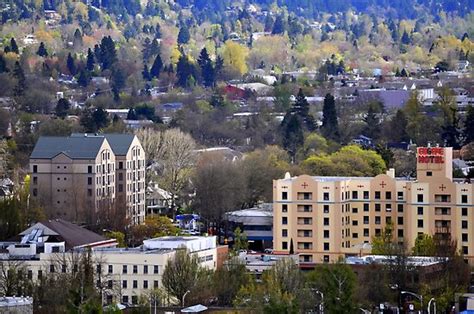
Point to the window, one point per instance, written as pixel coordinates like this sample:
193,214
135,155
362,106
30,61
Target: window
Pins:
366,207
400,220
388,207
399,195
305,208
355,235
388,195
135,284
40,274
35,168
110,284
120,164
307,258
464,224
326,196
284,195
355,195
51,268
120,187
464,237
89,180
366,232
377,232
155,284
464,199
35,192
145,284
125,299
326,258
120,176
388,220
400,208
284,232
366,195
400,233
284,220
464,211
145,269
63,268
465,250
155,269
111,269
377,220
326,221
135,269
284,245
284,208
377,207
366,220
326,234
124,269
420,198
429,173
35,180
134,299
355,223
420,223
326,246
305,196
89,192
354,210
377,195
420,211
326,209
89,169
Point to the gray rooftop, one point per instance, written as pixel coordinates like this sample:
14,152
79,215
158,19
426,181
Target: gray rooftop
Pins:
73,147
120,143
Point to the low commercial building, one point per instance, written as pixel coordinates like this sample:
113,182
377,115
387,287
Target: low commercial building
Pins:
325,218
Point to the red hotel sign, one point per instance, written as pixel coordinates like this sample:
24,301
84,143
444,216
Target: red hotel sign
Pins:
431,155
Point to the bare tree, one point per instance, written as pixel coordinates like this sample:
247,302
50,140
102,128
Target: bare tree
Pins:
13,279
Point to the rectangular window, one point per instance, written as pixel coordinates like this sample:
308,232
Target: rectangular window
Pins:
284,195
51,268
429,173
366,207
135,269
284,220
284,232
388,195
388,220
134,299
326,246
326,196
89,169
420,211
400,220
326,209
420,198
366,232
355,195
355,223
305,195
377,220
399,196
465,250
464,199
35,192
388,207
120,176
420,223
89,192
366,220
355,235
89,180
366,195
464,224
464,237
400,233
145,284
145,269
284,245
284,208
63,268
111,269
135,284
120,164
377,195
155,284
326,258
464,211
377,207
125,299
155,269
326,234
35,180
124,269
400,208
326,221
35,168
354,210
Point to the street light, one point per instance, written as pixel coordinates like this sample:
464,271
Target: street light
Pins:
418,296
434,305
182,301
321,304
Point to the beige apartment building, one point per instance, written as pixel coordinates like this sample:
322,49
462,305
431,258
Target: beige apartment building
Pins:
76,177
325,218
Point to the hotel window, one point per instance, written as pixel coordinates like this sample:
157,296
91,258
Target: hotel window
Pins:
134,299
366,207
326,258
420,223
284,220
355,223
89,169
155,269
377,220
305,196
35,180
355,235
366,195
284,245
326,209
400,208
124,269
377,232
135,284
464,211
366,220
326,246
377,195
377,207
420,211
307,258
400,195
464,199
388,195
354,210
284,232
145,284
120,164
35,168
366,232
35,192
120,177
388,207
400,220
284,195
125,299
155,284
429,173
110,284
326,221
326,234
89,180
284,208
111,269
326,196
464,224
465,250
388,220
420,198
400,233
145,269
464,237
355,195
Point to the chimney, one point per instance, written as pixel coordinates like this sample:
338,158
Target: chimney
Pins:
391,173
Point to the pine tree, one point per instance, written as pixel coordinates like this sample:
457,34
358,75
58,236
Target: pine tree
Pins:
279,25
3,64
468,131
372,121
301,108
207,69
62,108
183,35
131,115
90,60
405,38
101,118
184,71
77,38
19,74
71,66
330,127
14,46
156,67
157,31
268,23
108,54
398,127
118,82
292,133
42,52
84,78
404,73
146,73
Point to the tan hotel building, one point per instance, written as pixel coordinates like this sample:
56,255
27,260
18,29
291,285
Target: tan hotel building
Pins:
330,217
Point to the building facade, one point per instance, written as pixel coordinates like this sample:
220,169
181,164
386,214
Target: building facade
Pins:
325,218
75,177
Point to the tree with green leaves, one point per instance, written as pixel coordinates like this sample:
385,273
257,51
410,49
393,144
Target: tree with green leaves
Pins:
240,240
184,71
292,133
207,68
451,130
424,245
117,82
42,52
397,128
156,67
330,127
19,74
279,26
468,131
62,108
301,109
183,35
372,122
107,52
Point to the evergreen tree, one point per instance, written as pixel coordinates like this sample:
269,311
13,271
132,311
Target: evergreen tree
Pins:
146,49
154,48
19,74
62,108
398,127
146,73
77,38
184,71
157,31
90,60
405,38
71,66
42,52
183,35
3,64
469,125
156,67
301,108
404,73
131,115
268,23
14,46
207,69
108,54
292,133
330,127
372,121
279,25
118,82
83,79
